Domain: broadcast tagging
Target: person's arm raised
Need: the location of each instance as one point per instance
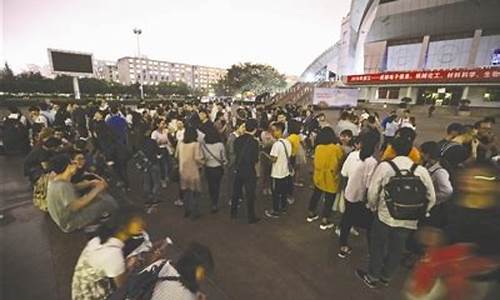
(89, 197)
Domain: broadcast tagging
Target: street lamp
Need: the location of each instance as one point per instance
(138, 32)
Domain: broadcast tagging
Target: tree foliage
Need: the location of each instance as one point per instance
(248, 77)
(36, 83)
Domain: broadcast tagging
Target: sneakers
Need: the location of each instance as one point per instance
(178, 203)
(271, 214)
(298, 184)
(290, 200)
(353, 231)
(311, 219)
(344, 252)
(384, 282)
(326, 226)
(164, 184)
(363, 276)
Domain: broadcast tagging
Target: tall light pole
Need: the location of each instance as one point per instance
(137, 33)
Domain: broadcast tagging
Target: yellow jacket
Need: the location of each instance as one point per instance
(327, 165)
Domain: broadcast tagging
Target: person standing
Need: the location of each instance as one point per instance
(328, 157)
(215, 160)
(160, 136)
(190, 159)
(359, 168)
(246, 152)
(281, 172)
(397, 183)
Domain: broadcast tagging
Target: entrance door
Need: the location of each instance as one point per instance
(439, 95)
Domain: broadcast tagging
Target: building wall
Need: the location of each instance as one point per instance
(152, 72)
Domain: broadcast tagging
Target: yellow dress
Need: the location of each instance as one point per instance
(327, 165)
(294, 139)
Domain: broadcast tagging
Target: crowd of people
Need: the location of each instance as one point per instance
(427, 200)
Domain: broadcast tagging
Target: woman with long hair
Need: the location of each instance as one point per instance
(328, 158)
(190, 160)
(356, 214)
(215, 160)
(161, 136)
(102, 263)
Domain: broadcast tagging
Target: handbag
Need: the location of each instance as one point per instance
(290, 166)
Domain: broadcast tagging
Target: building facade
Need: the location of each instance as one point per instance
(432, 51)
(151, 72)
(106, 70)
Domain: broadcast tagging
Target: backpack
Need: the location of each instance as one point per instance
(141, 285)
(40, 192)
(405, 194)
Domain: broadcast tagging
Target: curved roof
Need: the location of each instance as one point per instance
(321, 61)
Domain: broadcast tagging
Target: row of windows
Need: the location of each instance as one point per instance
(156, 65)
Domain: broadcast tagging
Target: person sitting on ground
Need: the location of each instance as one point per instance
(102, 263)
(69, 210)
(408, 134)
(186, 275)
(36, 163)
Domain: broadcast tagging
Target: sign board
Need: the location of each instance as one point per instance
(428, 76)
(71, 63)
(336, 97)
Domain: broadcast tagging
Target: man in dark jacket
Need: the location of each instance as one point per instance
(246, 149)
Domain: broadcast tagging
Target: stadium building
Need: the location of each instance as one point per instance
(432, 51)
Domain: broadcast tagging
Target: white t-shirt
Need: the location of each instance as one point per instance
(161, 138)
(359, 180)
(351, 163)
(170, 289)
(107, 257)
(280, 167)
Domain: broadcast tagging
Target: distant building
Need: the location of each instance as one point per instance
(106, 70)
(152, 72)
(43, 70)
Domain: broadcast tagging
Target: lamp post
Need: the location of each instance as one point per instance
(137, 33)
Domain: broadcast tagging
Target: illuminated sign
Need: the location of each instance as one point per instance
(428, 76)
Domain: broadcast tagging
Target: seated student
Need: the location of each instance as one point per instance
(35, 164)
(408, 134)
(186, 275)
(102, 261)
(69, 210)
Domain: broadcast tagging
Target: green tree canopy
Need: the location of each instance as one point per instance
(248, 77)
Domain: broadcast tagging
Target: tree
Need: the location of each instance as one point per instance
(248, 77)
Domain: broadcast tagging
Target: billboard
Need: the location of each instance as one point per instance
(436, 76)
(335, 97)
(70, 63)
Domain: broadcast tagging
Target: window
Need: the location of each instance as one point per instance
(388, 93)
(492, 95)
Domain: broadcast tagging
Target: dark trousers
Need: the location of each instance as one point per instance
(249, 184)
(329, 199)
(214, 177)
(191, 202)
(281, 188)
(386, 249)
(120, 168)
(356, 214)
(151, 184)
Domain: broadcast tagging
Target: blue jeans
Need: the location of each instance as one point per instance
(386, 248)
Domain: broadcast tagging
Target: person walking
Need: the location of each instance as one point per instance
(328, 157)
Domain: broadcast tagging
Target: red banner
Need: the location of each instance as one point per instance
(428, 76)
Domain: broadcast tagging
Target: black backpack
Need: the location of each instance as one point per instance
(140, 286)
(406, 194)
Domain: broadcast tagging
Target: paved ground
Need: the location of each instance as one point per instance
(275, 259)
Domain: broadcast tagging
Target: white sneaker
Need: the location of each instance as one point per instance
(291, 200)
(164, 184)
(178, 203)
(326, 226)
(353, 231)
(312, 219)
